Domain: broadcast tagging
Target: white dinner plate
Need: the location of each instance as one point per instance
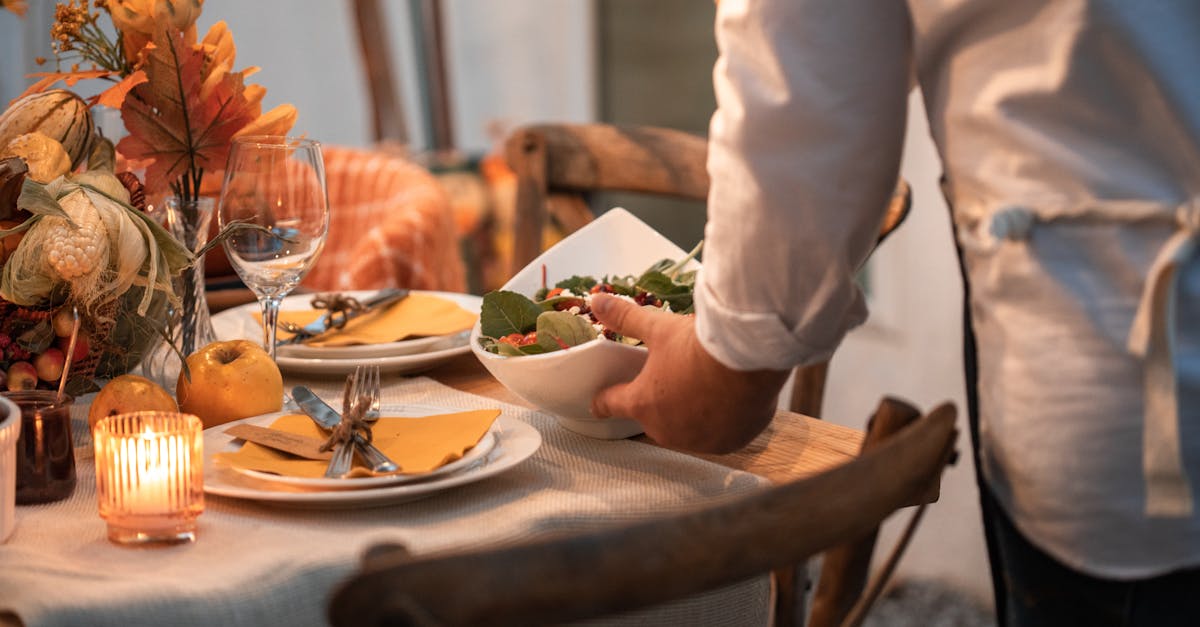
(515, 442)
(405, 357)
(479, 451)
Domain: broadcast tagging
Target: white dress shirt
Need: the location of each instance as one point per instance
(1070, 137)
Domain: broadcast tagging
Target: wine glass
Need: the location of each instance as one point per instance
(274, 190)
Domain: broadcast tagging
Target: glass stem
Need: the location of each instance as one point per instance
(270, 316)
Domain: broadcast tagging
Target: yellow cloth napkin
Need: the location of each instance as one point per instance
(417, 315)
(416, 444)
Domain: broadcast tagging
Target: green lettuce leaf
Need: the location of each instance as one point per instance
(504, 313)
(559, 329)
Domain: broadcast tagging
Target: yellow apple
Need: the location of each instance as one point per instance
(129, 393)
(230, 380)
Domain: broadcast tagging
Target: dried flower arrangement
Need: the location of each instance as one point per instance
(74, 234)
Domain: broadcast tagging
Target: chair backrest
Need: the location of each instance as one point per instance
(556, 163)
(387, 109)
(638, 565)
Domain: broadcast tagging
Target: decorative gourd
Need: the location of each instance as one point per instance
(58, 114)
(45, 157)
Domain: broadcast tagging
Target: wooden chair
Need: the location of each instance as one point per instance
(557, 164)
(633, 566)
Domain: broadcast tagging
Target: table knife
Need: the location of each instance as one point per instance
(327, 418)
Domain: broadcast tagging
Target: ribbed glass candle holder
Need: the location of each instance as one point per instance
(150, 476)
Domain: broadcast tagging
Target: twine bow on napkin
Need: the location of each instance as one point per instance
(335, 304)
(354, 420)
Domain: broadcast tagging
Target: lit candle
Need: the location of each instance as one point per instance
(149, 476)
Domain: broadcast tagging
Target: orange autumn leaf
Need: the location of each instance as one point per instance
(220, 42)
(255, 94)
(277, 121)
(16, 6)
(178, 120)
(46, 79)
(114, 96)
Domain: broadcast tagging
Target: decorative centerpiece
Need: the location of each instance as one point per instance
(88, 246)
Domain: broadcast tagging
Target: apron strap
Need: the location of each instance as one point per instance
(1152, 337)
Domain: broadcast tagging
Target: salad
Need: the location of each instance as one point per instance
(559, 317)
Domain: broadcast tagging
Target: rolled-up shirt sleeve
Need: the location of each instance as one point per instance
(804, 152)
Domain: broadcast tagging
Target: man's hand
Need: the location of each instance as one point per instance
(683, 397)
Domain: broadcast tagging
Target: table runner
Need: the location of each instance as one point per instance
(257, 564)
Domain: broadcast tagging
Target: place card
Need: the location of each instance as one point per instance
(294, 443)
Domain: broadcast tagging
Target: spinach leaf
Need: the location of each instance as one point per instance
(662, 265)
(505, 312)
(578, 284)
(677, 266)
(554, 327)
(623, 285)
(662, 287)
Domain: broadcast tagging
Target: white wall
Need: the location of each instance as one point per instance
(518, 61)
(309, 57)
(509, 62)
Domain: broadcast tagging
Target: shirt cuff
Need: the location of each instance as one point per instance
(746, 340)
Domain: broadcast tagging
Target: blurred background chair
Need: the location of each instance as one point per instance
(580, 576)
(390, 226)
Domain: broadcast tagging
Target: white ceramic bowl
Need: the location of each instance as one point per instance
(10, 430)
(564, 382)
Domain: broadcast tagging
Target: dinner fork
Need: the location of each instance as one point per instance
(372, 390)
(343, 455)
(369, 386)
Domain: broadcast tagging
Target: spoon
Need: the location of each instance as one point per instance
(62, 382)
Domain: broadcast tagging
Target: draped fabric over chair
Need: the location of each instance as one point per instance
(391, 225)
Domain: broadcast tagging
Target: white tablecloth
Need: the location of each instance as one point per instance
(255, 564)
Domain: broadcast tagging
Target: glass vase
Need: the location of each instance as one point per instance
(191, 324)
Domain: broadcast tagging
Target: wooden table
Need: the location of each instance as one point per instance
(792, 447)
